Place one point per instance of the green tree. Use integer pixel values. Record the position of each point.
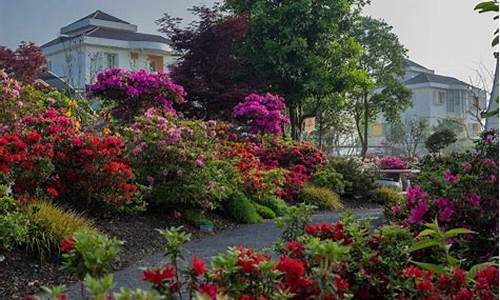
(440, 140)
(381, 91)
(409, 135)
(302, 48)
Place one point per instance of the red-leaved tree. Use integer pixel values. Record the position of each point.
(25, 63)
(211, 69)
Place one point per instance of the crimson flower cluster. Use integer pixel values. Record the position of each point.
(49, 155)
(263, 114)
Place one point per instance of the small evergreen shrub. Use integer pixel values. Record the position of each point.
(360, 174)
(264, 211)
(49, 224)
(196, 218)
(329, 178)
(239, 208)
(320, 197)
(386, 195)
(276, 204)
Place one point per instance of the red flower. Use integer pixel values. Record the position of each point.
(67, 244)
(342, 285)
(459, 276)
(209, 290)
(295, 248)
(412, 271)
(53, 192)
(198, 266)
(157, 276)
(464, 294)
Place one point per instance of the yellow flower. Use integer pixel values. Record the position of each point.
(73, 103)
(77, 124)
(68, 113)
(106, 131)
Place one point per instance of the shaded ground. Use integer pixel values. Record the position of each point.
(22, 274)
(254, 236)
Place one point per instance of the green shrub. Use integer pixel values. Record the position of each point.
(320, 197)
(361, 176)
(329, 178)
(264, 211)
(239, 208)
(196, 218)
(50, 224)
(386, 195)
(276, 204)
(14, 223)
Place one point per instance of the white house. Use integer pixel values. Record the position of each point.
(434, 97)
(100, 41)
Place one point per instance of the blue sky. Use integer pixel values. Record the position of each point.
(444, 35)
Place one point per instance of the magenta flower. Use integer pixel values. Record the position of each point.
(417, 213)
(414, 194)
(263, 114)
(200, 163)
(474, 199)
(392, 163)
(467, 166)
(445, 209)
(395, 209)
(449, 177)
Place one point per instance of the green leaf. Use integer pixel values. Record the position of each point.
(437, 269)
(495, 41)
(457, 231)
(427, 232)
(426, 244)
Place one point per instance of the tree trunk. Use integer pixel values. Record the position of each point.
(293, 122)
(364, 142)
(320, 133)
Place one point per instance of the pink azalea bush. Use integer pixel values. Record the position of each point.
(262, 114)
(392, 163)
(459, 191)
(136, 91)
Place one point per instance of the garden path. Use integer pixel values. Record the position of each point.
(258, 236)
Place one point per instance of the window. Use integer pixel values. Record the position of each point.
(377, 130)
(134, 60)
(155, 63)
(439, 97)
(111, 60)
(455, 101)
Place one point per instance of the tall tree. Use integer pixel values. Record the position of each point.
(382, 91)
(23, 64)
(211, 70)
(302, 48)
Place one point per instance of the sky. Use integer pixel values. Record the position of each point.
(444, 35)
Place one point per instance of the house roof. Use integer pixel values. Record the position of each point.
(101, 16)
(411, 63)
(426, 77)
(110, 33)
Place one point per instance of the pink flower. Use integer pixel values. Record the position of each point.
(199, 162)
(414, 194)
(395, 209)
(446, 209)
(467, 166)
(417, 213)
(474, 199)
(449, 177)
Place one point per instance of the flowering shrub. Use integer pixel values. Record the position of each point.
(48, 155)
(132, 92)
(458, 191)
(262, 114)
(178, 160)
(392, 163)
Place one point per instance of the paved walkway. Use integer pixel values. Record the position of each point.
(258, 236)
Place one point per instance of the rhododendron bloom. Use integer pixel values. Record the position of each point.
(157, 276)
(474, 199)
(467, 166)
(448, 176)
(67, 244)
(417, 213)
(198, 266)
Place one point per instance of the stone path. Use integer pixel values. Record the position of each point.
(258, 236)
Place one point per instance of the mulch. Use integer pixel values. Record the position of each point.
(22, 274)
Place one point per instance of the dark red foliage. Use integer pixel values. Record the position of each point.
(211, 70)
(23, 64)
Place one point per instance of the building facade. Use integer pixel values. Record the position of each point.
(434, 98)
(100, 41)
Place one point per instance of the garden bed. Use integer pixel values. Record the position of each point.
(23, 274)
